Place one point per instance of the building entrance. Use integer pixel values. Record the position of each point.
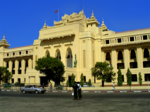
(43, 80)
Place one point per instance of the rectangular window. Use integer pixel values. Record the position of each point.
(12, 80)
(119, 40)
(120, 65)
(19, 64)
(19, 71)
(134, 77)
(35, 60)
(19, 53)
(13, 71)
(107, 41)
(19, 80)
(26, 63)
(84, 78)
(13, 54)
(131, 38)
(147, 77)
(13, 64)
(133, 64)
(144, 37)
(84, 59)
(123, 78)
(146, 64)
(7, 54)
(26, 52)
(25, 71)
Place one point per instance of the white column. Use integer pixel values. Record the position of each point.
(16, 66)
(114, 59)
(30, 63)
(89, 54)
(126, 58)
(140, 57)
(10, 66)
(23, 66)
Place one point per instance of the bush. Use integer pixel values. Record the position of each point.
(89, 83)
(67, 83)
(140, 79)
(82, 80)
(19, 84)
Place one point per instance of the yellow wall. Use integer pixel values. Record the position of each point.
(85, 39)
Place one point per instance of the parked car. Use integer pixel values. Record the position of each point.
(32, 88)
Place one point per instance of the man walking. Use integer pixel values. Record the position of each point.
(79, 91)
(75, 91)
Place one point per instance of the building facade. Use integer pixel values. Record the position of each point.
(79, 43)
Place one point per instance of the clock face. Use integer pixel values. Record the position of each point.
(138, 38)
(125, 39)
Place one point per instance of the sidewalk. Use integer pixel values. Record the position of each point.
(89, 91)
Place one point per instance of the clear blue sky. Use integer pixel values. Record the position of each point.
(21, 20)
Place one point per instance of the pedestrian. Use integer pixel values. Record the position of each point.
(79, 91)
(51, 87)
(113, 86)
(75, 87)
(43, 85)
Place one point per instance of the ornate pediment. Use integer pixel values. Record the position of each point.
(74, 17)
(4, 42)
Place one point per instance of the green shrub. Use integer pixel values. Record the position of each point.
(89, 83)
(67, 83)
(140, 79)
(82, 80)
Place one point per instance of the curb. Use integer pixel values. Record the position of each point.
(54, 91)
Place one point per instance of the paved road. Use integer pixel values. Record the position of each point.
(63, 102)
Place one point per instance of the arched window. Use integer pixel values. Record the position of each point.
(132, 55)
(47, 53)
(58, 55)
(120, 56)
(108, 56)
(146, 53)
(69, 58)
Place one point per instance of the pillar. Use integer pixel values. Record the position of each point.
(30, 64)
(126, 58)
(139, 57)
(10, 66)
(114, 59)
(23, 66)
(16, 66)
(89, 54)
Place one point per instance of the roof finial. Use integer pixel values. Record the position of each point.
(92, 17)
(44, 25)
(4, 36)
(102, 21)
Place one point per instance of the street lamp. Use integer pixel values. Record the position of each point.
(29, 80)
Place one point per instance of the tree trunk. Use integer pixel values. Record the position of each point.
(102, 83)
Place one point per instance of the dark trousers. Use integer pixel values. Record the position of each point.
(79, 93)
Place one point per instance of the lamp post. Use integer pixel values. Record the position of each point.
(148, 83)
(29, 80)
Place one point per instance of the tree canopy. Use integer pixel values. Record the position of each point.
(5, 75)
(52, 68)
(103, 72)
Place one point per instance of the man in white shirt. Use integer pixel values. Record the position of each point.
(79, 91)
